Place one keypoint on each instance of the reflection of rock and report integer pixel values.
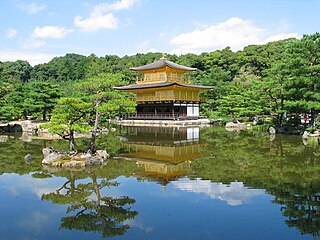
(26, 137)
(3, 138)
(305, 141)
(305, 135)
(94, 161)
(28, 158)
(272, 137)
(231, 126)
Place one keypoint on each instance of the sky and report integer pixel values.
(37, 31)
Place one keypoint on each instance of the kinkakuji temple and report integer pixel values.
(164, 93)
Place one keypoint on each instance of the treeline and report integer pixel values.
(278, 78)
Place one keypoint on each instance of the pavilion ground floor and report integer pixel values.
(166, 111)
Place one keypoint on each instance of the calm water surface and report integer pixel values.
(168, 183)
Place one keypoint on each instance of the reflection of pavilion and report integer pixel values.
(162, 153)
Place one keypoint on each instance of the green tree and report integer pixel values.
(104, 99)
(15, 72)
(302, 86)
(44, 96)
(69, 116)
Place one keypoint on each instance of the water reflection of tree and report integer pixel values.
(89, 210)
(301, 205)
(285, 167)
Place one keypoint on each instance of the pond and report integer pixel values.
(165, 183)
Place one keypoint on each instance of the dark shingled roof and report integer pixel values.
(160, 64)
(163, 84)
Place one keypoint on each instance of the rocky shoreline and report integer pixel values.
(73, 159)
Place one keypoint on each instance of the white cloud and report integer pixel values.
(32, 57)
(11, 33)
(117, 5)
(234, 193)
(144, 47)
(281, 36)
(96, 22)
(32, 44)
(101, 16)
(31, 8)
(235, 33)
(50, 32)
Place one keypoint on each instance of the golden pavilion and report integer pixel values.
(164, 93)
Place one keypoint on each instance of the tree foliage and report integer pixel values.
(274, 78)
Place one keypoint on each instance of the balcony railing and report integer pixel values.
(162, 116)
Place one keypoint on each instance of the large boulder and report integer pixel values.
(28, 126)
(272, 130)
(46, 151)
(53, 156)
(72, 164)
(236, 126)
(10, 127)
(102, 154)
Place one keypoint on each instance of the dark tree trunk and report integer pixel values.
(94, 133)
(313, 116)
(44, 115)
(280, 117)
(71, 141)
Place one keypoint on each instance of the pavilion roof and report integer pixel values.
(163, 84)
(160, 64)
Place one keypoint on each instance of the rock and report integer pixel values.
(104, 130)
(28, 158)
(16, 128)
(102, 154)
(28, 126)
(86, 156)
(72, 164)
(56, 164)
(46, 151)
(235, 126)
(272, 130)
(10, 127)
(52, 157)
(305, 135)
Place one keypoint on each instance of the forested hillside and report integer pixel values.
(272, 79)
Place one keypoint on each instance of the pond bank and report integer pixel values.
(163, 123)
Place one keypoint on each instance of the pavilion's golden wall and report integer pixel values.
(167, 95)
(162, 77)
